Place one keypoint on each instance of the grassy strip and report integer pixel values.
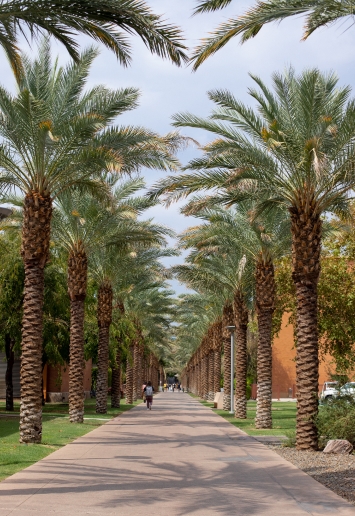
(283, 418)
(57, 432)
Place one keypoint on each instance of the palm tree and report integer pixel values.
(263, 241)
(219, 264)
(319, 13)
(54, 139)
(82, 223)
(196, 315)
(130, 235)
(104, 21)
(123, 332)
(296, 152)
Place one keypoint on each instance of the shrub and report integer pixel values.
(336, 420)
(290, 442)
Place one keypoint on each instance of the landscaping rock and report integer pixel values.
(336, 472)
(338, 446)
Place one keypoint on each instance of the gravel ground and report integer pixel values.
(337, 472)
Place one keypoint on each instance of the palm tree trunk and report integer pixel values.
(116, 380)
(76, 366)
(129, 377)
(200, 373)
(37, 213)
(140, 374)
(306, 247)
(104, 319)
(228, 320)
(241, 323)
(135, 370)
(211, 375)
(265, 303)
(77, 283)
(217, 370)
(204, 375)
(10, 359)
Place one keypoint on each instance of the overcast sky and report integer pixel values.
(167, 89)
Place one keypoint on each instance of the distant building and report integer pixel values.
(284, 363)
(55, 380)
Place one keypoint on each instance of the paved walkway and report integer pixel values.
(179, 459)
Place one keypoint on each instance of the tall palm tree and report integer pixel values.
(319, 13)
(263, 241)
(82, 223)
(54, 139)
(296, 152)
(106, 21)
(138, 272)
(218, 264)
(130, 235)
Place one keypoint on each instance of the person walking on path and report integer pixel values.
(149, 389)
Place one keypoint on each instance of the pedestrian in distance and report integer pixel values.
(149, 390)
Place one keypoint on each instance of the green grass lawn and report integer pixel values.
(283, 417)
(57, 432)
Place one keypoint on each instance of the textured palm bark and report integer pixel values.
(116, 380)
(10, 360)
(217, 348)
(76, 367)
(265, 303)
(135, 370)
(306, 246)
(241, 323)
(77, 284)
(145, 375)
(228, 320)
(205, 376)
(104, 319)
(210, 375)
(102, 371)
(198, 373)
(216, 370)
(129, 377)
(140, 374)
(37, 214)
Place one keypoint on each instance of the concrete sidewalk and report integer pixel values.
(178, 459)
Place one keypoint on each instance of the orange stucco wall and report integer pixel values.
(284, 365)
(58, 377)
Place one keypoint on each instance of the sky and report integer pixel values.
(167, 89)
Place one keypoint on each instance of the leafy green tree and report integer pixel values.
(11, 295)
(55, 308)
(106, 21)
(336, 298)
(319, 13)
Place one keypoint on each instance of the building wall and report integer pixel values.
(284, 365)
(58, 382)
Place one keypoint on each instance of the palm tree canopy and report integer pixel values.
(234, 236)
(296, 147)
(81, 220)
(106, 21)
(319, 13)
(57, 134)
(195, 314)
